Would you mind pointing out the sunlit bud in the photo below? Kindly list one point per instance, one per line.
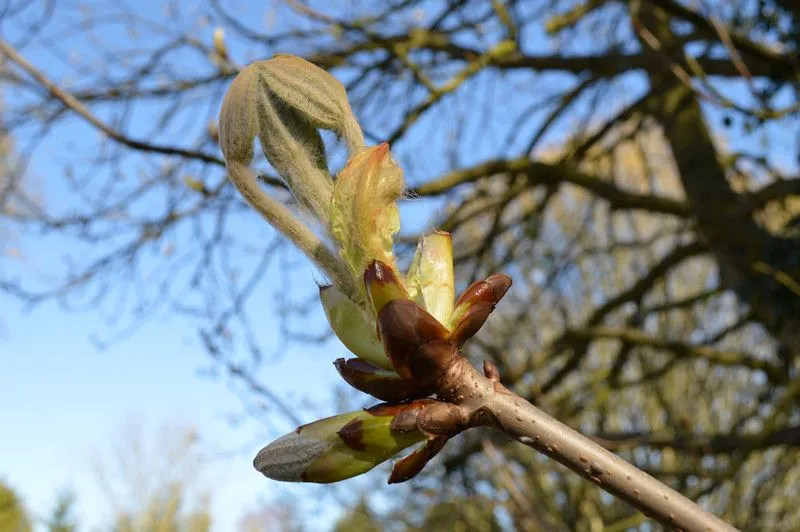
(194, 184)
(416, 343)
(363, 214)
(213, 130)
(380, 383)
(354, 326)
(430, 279)
(343, 446)
(219, 43)
(475, 304)
(383, 285)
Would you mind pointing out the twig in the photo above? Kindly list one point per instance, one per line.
(75, 105)
(483, 395)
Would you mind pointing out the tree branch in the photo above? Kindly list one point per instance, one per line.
(679, 349)
(500, 408)
(81, 110)
(700, 444)
(546, 173)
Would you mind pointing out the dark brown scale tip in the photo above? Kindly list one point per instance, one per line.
(352, 435)
(490, 290)
(358, 365)
(377, 382)
(380, 272)
(382, 285)
(410, 466)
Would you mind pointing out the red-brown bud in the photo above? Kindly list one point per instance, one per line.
(475, 304)
(380, 383)
(410, 466)
(416, 343)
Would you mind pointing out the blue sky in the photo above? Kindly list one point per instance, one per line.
(66, 400)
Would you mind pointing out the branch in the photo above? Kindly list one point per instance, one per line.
(602, 65)
(679, 349)
(711, 444)
(754, 50)
(635, 293)
(81, 110)
(776, 190)
(532, 427)
(546, 173)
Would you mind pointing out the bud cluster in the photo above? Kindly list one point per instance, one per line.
(404, 330)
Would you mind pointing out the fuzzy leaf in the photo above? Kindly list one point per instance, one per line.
(363, 214)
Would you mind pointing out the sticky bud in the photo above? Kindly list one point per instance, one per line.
(475, 304)
(416, 343)
(343, 446)
(380, 383)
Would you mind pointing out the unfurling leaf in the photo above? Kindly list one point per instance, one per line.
(363, 214)
(316, 93)
(284, 101)
(430, 279)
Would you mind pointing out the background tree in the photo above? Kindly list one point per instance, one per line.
(13, 515)
(359, 517)
(153, 481)
(633, 165)
(62, 518)
(280, 516)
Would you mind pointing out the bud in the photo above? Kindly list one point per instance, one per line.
(195, 184)
(430, 279)
(416, 343)
(343, 446)
(354, 326)
(475, 304)
(219, 43)
(363, 214)
(380, 383)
